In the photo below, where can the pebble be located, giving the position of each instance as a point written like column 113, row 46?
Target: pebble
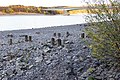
column 50, row 66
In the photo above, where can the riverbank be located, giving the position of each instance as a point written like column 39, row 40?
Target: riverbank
column 52, row 53
column 18, row 13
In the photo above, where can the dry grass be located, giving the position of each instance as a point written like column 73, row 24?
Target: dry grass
column 78, row 11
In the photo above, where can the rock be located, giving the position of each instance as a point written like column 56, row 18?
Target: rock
column 66, row 42
column 67, row 34
column 98, row 78
column 48, row 62
column 81, row 69
column 37, row 32
column 84, row 75
column 69, row 50
column 81, row 59
column 38, row 59
column 69, row 57
column 76, row 60
column 9, row 72
column 89, row 56
column 117, row 76
column 110, row 76
column 5, row 78
column 111, row 79
column 19, row 72
column 96, row 64
column 60, row 47
column 84, row 47
column 31, row 66
column 47, row 50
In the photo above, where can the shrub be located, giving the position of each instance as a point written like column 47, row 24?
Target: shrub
column 104, row 30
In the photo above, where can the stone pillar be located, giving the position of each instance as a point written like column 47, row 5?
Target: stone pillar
column 53, row 41
column 26, row 38
column 54, row 34
column 30, row 38
column 59, row 35
column 67, row 34
column 59, row 42
column 83, row 35
column 10, row 42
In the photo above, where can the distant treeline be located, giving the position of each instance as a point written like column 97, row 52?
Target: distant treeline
column 26, row 9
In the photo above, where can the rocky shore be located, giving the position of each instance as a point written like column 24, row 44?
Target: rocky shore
column 53, row 53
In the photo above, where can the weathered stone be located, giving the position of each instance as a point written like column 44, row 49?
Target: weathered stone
column 48, row 62
column 69, row 57
column 53, row 41
column 84, row 47
column 84, row 75
column 9, row 35
column 117, row 76
column 10, row 42
column 81, row 69
column 31, row 66
column 59, row 35
column 30, row 38
column 76, row 60
column 67, row 34
column 47, row 50
column 59, row 42
column 38, row 59
column 66, row 42
column 81, row 59
column 89, row 56
column 26, row 38
column 5, row 78
column 9, row 72
column 82, row 35
column 98, row 77
column 111, row 79
column 37, row 33
column 54, row 34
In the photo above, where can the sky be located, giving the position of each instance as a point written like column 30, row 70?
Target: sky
column 46, row 2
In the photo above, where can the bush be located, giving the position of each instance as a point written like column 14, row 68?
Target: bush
column 104, row 30
column 9, row 10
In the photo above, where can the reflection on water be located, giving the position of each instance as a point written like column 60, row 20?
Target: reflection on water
column 38, row 21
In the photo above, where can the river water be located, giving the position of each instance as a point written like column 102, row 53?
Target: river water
column 17, row 22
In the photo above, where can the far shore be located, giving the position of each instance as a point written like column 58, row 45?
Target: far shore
column 23, row 13
column 84, row 24
column 20, row 13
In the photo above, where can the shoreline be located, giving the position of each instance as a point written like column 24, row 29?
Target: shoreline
column 45, row 27
column 27, row 14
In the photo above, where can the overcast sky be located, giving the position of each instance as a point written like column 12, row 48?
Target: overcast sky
column 46, row 2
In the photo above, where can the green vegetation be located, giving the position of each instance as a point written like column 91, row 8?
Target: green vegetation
column 105, row 32
column 91, row 78
column 91, row 70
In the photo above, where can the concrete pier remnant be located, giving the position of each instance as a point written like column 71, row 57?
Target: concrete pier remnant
column 30, row 38
column 53, row 41
column 59, row 42
column 59, row 35
column 26, row 38
column 54, row 34
column 10, row 42
column 83, row 35
column 67, row 34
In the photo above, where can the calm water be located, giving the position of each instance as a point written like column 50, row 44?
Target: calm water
column 38, row 21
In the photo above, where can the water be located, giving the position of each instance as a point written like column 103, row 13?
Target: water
column 38, row 21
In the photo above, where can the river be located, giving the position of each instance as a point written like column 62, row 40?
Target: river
column 16, row 22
